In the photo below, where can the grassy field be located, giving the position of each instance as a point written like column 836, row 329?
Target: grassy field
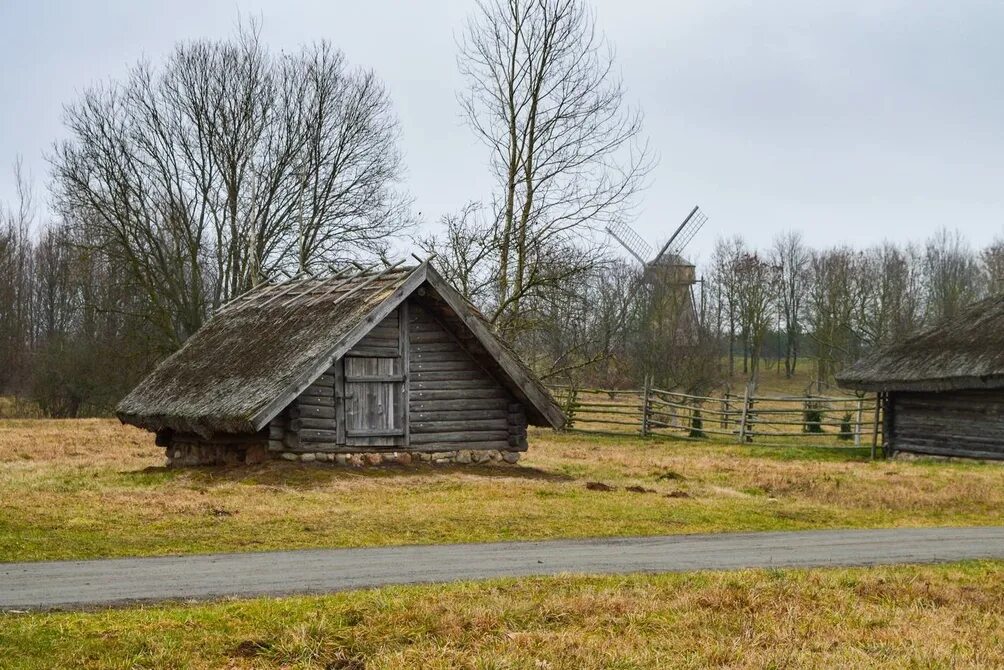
column 949, row 616
column 92, row 488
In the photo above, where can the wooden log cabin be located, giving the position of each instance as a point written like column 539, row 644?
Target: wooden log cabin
column 942, row 390
column 356, row 368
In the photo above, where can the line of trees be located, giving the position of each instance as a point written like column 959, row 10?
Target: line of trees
column 227, row 165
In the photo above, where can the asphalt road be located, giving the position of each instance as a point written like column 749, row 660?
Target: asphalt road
column 83, row 584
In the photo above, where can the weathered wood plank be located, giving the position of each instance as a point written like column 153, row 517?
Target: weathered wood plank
column 446, row 375
column 462, row 394
column 440, row 366
column 462, row 436
column 443, row 356
column 458, row 426
column 460, row 415
column 432, row 347
column 316, row 435
column 326, row 391
column 315, row 401
column 453, row 384
column 316, row 411
column 418, row 405
column 312, row 423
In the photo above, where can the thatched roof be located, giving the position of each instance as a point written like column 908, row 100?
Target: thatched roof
column 966, row 352
column 254, row 356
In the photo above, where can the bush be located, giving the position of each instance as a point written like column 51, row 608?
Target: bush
column 846, row 430
column 696, row 424
column 812, row 417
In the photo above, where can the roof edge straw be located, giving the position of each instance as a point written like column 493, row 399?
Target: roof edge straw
column 366, row 283
column 335, row 287
column 341, row 274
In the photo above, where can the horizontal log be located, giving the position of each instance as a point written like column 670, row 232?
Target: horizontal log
column 315, row 411
column 461, row 437
column 459, row 415
column 373, row 352
column 312, row 423
column 446, row 375
column 276, row 432
column 431, row 337
column 454, row 384
column 315, row 401
column 319, row 390
column 451, row 405
column 317, row 435
column 431, row 347
column 463, row 394
column 350, row 434
column 441, row 366
column 454, row 426
column 369, row 379
column 440, row 356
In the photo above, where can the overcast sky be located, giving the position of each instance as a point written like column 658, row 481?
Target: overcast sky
column 853, row 121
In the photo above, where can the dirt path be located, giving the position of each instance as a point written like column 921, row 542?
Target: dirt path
column 81, row 584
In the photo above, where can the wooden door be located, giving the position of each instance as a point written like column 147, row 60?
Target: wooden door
column 374, row 401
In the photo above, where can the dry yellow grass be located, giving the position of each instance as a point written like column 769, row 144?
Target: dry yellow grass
column 901, row 617
column 89, row 488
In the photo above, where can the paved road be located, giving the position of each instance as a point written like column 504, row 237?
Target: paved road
column 78, row 584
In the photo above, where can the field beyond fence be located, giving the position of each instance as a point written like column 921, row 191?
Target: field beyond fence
column 745, row 417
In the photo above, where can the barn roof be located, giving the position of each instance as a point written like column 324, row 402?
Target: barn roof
column 253, row 357
column 966, row 352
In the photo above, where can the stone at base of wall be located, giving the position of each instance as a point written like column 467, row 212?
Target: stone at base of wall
column 460, row 457
column 182, row 454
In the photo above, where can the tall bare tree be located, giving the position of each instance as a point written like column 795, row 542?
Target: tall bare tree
column 542, row 94
column 790, row 255
column 226, row 165
column 953, row 274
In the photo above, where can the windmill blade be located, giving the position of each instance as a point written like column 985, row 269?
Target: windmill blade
column 630, row 240
column 684, row 233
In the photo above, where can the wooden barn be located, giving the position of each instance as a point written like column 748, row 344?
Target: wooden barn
column 389, row 365
column 943, row 389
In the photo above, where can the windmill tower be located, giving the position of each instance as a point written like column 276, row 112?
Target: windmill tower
column 668, row 277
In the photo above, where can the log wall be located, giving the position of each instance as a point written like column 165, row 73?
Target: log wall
column 950, row 423
column 453, row 402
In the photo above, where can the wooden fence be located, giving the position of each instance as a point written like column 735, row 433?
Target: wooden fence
column 745, row 417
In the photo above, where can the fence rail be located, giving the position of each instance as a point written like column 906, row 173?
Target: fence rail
column 746, row 417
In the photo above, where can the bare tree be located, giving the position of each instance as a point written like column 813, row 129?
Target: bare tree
column 757, row 281
column 725, row 296
column 953, row 275
column 542, row 94
column 791, row 257
column 993, row 266
column 226, row 165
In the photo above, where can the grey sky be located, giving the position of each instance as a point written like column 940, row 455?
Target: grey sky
column 853, row 121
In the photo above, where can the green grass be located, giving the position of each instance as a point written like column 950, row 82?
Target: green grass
column 85, row 489
column 949, row 616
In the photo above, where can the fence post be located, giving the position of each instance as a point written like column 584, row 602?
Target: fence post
column 857, row 423
column 725, row 411
column 570, row 410
column 746, row 411
column 645, row 406
column 875, row 423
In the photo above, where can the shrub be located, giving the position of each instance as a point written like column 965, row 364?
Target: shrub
column 696, row 424
column 812, row 417
column 846, row 430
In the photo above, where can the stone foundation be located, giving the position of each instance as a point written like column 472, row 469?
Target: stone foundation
column 190, row 453
column 461, row 457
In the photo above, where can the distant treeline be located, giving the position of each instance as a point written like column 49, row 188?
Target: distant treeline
column 227, row 165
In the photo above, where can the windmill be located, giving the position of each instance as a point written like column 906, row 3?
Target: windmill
column 669, row 276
